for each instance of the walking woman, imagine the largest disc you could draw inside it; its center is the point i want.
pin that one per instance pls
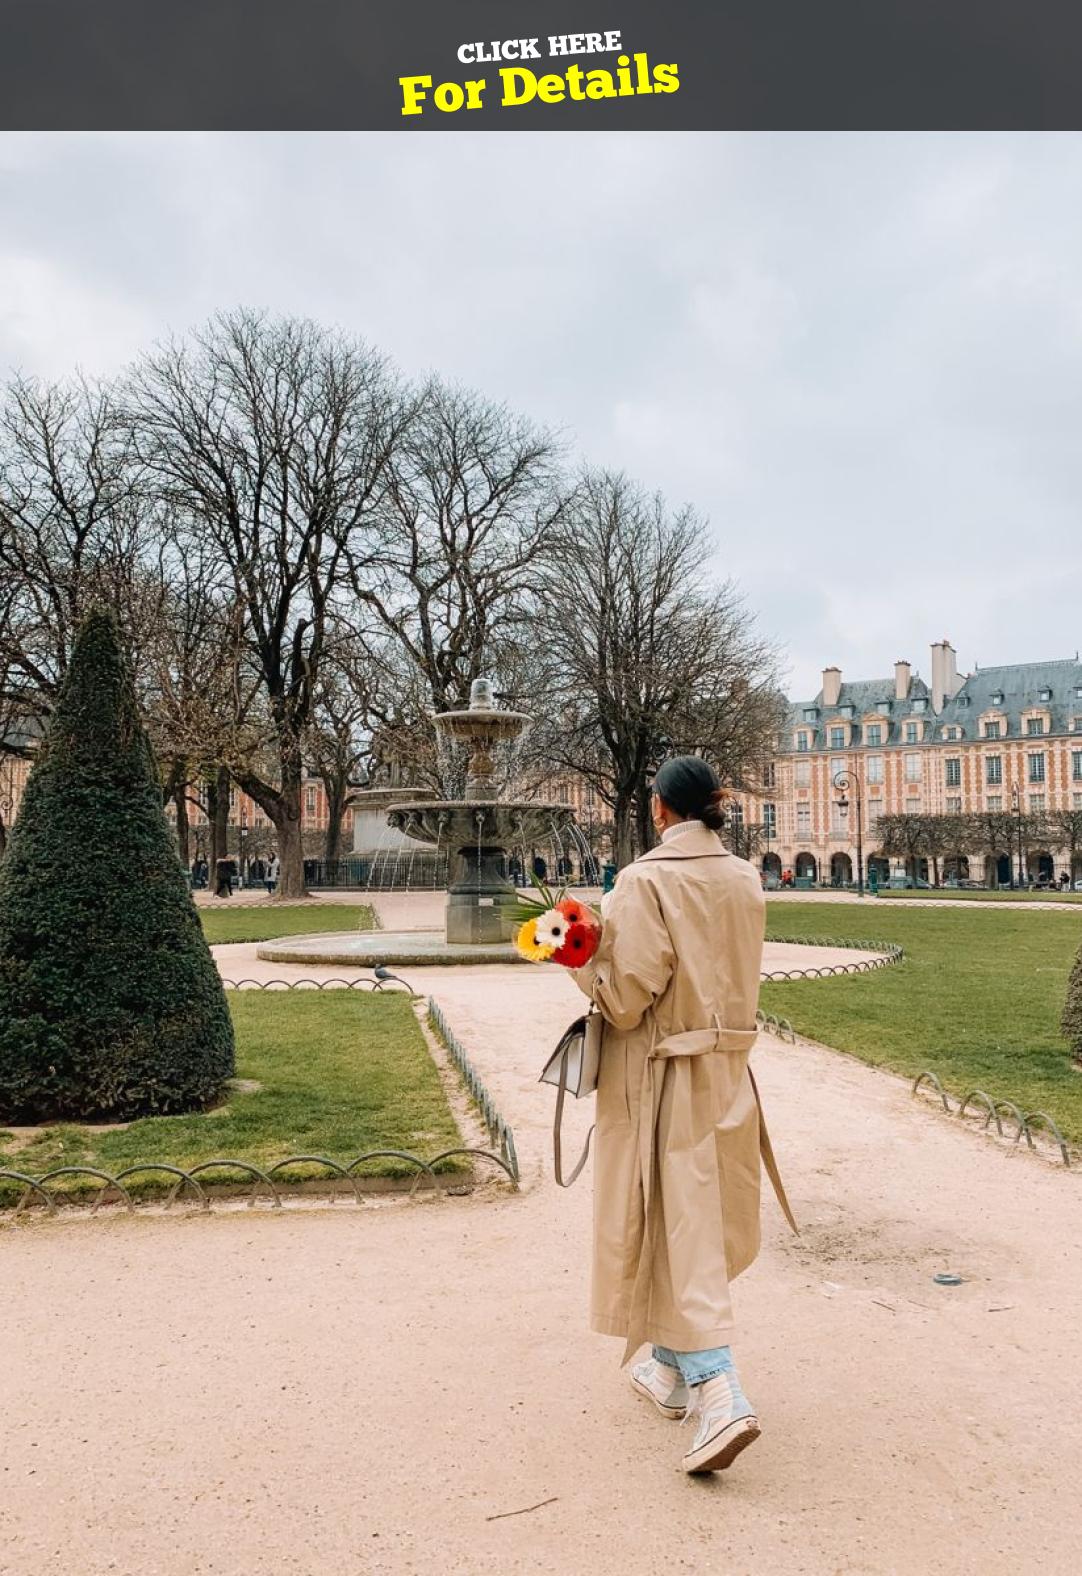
(679, 1128)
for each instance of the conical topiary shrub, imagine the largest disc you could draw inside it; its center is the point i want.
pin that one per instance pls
(1072, 1010)
(110, 1003)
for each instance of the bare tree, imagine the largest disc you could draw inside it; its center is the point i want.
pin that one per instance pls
(71, 530)
(994, 833)
(339, 738)
(1062, 829)
(271, 438)
(471, 491)
(635, 655)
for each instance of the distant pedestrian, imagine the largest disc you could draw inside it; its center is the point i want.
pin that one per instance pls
(223, 878)
(540, 868)
(273, 868)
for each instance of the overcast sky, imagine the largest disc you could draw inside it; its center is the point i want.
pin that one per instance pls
(860, 356)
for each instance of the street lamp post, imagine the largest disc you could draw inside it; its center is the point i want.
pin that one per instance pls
(849, 782)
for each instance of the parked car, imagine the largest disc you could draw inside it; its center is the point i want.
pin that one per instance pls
(908, 884)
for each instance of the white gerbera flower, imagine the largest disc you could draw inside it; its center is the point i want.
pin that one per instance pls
(552, 928)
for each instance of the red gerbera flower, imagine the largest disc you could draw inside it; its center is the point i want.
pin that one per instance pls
(579, 946)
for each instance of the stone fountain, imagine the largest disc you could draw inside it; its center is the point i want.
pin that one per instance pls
(477, 830)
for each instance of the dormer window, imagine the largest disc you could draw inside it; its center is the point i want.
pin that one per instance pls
(848, 711)
(810, 713)
(883, 708)
(997, 698)
(962, 700)
(1046, 694)
(920, 704)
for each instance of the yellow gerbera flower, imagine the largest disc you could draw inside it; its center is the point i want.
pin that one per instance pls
(528, 945)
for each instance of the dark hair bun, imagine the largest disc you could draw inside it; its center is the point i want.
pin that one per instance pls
(712, 814)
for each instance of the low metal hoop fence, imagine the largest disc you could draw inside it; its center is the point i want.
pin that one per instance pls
(994, 1113)
(887, 953)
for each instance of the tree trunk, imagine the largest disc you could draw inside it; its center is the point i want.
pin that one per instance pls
(336, 791)
(283, 806)
(218, 815)
(3, 837)
(287, 824)
(623, 830)
(645, 835)
(180, 800)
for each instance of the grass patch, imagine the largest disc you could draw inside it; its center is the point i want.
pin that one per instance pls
(339, 1073)
(266, 922)
(980, 895)
(977, 1000)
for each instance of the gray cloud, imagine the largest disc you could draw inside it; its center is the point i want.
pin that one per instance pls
(860, 356)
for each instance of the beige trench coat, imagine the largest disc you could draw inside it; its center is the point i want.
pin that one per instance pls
(679, 1125)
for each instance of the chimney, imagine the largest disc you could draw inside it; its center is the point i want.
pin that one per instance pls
(945, 679)
(902, 673)
(832, 686)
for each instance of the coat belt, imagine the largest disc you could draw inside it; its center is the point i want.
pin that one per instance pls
(691, 1042)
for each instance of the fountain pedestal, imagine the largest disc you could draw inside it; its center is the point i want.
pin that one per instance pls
(477, 901)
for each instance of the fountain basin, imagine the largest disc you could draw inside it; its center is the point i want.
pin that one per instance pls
(388, 947)
(463, 823)
(479, 832)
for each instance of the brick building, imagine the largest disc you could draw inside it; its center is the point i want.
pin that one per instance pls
(997, 739)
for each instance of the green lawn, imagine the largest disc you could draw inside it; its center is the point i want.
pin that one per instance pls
(265, 922)
(340, 1072)
(977, 999)
(981, 895)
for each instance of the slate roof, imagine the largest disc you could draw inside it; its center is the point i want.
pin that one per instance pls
(1020, 684)
(865, 696)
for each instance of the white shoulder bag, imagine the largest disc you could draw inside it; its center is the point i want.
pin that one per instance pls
(572, 1068)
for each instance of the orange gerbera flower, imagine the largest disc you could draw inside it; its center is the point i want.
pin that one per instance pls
(577, 913)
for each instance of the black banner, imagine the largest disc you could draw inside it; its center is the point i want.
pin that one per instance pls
(584, 65)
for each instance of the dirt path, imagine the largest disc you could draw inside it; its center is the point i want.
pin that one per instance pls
(363, 1390)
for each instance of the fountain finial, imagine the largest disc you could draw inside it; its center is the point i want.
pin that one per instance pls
(481, 695)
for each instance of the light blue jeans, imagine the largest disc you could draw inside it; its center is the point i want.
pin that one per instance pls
(696, 1367)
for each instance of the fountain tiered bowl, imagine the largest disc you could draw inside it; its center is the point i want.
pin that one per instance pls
(478, 830)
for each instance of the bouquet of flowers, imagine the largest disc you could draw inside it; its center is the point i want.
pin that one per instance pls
(557, 927)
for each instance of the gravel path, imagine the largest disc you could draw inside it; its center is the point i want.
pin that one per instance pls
(385, 1389)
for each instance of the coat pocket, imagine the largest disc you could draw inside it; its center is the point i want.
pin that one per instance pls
(613, 1099)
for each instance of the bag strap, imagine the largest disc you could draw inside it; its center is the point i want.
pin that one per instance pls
(557, 1140)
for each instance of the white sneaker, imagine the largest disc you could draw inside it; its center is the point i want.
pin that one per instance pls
(661, 1384)
(727, 1424)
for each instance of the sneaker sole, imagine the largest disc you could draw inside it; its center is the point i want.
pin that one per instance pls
(721, 1451)
(673, 1413)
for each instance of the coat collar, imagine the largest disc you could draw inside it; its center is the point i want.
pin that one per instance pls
(696, 843)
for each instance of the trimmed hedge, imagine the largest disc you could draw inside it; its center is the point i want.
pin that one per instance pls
(110, 1003)
(1072, 1010)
